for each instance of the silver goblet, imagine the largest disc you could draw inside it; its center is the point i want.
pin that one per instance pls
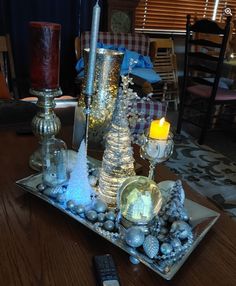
(156, 151)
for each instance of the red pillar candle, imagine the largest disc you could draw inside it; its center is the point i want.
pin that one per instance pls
(44, 55)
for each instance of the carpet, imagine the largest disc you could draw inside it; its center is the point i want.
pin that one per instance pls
(206, 171)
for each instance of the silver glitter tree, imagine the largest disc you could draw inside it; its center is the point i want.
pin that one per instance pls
(118, 162)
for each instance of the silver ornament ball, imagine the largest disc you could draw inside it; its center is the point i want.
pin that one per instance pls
(40, 187)
(101, 217)
(110, 215)
(61, 198)
(134, 260)
(109, 225)
(134, 237)
(166, 248)
(50, 192)
(79, 209)
(91, 215)
(99, 206)
(175, 242)
(70, 204)
(181, 229)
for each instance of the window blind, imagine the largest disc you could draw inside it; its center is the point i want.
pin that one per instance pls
(222, 5)
(169, 15)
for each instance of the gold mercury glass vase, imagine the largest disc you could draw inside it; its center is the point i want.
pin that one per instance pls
(106, 83)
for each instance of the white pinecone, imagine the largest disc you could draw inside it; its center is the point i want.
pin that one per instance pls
(151, 246)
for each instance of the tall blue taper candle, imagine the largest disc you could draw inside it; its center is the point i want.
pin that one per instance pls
(78, 133)
(91, 67)
(93, 48)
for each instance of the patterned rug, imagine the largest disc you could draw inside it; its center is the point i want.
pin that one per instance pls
(206, 171)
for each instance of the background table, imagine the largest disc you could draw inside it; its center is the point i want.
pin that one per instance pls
(41, 246)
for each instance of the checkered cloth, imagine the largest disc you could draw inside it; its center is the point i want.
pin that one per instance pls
(141, 113)
(134, 42)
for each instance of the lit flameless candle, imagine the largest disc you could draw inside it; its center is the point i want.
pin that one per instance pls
(159, 130)
(93, 49)
(45, 39)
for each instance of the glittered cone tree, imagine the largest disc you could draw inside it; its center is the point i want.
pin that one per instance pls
(79, 189)
(118, 162)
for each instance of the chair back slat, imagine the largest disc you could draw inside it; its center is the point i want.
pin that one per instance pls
(201, 80)
(206, 43)
(207, 26)
(202, 68)
(203, 56)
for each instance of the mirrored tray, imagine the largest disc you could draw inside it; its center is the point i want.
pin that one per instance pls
(201, 218)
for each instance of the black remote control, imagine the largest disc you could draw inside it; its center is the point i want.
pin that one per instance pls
(106, 270)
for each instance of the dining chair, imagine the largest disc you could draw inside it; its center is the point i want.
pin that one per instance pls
(4, 91)
(216, 38)
(164, 63)
(7, 65)
(202, 99)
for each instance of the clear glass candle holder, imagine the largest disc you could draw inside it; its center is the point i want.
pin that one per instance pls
(156, 151)
(54, 162)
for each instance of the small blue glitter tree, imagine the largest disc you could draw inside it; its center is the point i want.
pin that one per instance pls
(79, 189)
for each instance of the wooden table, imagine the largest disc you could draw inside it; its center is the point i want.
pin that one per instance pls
(41, 246)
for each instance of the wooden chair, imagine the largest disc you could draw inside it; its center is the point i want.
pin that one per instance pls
(216, 38)
(4, 91)
(7, 65)
(201, 93)
(164, 61)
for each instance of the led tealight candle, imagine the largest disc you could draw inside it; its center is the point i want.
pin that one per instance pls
(45, 41)
(159, 129)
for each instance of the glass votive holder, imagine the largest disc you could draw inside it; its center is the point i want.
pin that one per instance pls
(156, 150)
(54, 162)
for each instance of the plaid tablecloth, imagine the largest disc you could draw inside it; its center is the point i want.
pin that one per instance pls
(141, 113)
(134, 42)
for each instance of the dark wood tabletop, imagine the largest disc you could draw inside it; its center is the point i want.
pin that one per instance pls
(41, 246)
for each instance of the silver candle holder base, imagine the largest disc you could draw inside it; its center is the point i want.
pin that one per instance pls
(45, 124)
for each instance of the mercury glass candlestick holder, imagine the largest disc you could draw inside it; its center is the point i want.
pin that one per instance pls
(45, 124)
(156, 151)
